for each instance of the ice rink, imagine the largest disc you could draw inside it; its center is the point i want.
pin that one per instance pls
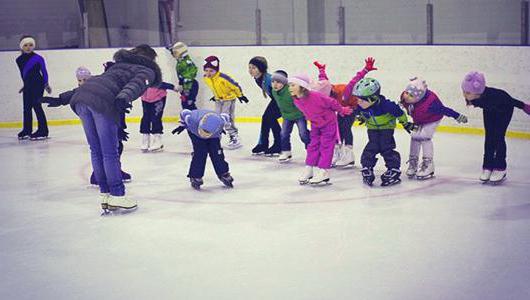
(268, 238)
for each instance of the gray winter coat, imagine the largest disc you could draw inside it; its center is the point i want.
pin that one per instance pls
(127, 79)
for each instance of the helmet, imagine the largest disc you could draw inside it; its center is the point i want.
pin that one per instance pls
(179, 49)
(366, 87)
(210, 124)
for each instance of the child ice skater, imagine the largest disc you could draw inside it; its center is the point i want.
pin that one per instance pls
(35, 79)
(225, 91)
(427, 111)
(320, 110)
(257, 68)
(205, 128)
(151, 127)
(290, 113)
(100, 104)
(497, 110)
(380, 115)
(343, 153)
(82, 74)
(187, 73)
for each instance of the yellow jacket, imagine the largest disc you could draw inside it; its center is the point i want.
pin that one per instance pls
(223, 87)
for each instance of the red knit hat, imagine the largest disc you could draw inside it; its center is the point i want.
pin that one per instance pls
(211, 62)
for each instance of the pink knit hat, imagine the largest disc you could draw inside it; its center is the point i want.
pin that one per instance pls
(321, 86)
(82, 73)
(417, 87)
(474, 83)
(300, 79)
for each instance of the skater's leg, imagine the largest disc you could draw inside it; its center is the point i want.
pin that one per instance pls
(368, 159)
(199, 156)
(500, 139)
(217, 156)
(28, 113)
(287, 128)
(313, 153)
(158, 111)
(89, 126)
(388, 152)
(345, 129)
(303, 132)
(39, 112)
(328, 139)
(490, 120)
(145, 123)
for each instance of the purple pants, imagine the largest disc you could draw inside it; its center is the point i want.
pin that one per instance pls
(320, 149)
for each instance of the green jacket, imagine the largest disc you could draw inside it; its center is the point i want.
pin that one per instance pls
(186, 72)
(382, 115)
(285, 103)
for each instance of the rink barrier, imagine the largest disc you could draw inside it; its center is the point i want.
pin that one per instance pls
(175, 119)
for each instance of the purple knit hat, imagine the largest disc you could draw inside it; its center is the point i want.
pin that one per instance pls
(300, 79)
(82, 73)
(474, 83)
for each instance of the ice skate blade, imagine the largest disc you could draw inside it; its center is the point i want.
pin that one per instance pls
(156, 150)
(283, 161)
(42, 138)
(348, 166)
(427, 177)
(391, 183)
(233, 147)
(145, 150)
(321, 183)
(196, 187)
(498, 182)
(116, 210)
(258, 154)
(272, 154)
(368, 183)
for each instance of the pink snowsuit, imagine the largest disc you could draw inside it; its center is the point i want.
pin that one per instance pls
(321, 111)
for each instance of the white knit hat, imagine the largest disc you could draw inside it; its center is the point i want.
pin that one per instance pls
(27, 40)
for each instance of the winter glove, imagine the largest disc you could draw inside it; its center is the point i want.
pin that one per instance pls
(52, 101)
(461, 119)
(123, 135)
(409, 127)
(243, 99)
(179, 129)
(21, 90)
(179, 88)
(212, 99)
(526, 108)
(345, 110)
(319, 66)
(48, 89)
(369, 64)
(122, 105)
(361, 120)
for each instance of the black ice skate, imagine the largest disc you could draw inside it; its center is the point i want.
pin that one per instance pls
(390, 177)
(259, 149)
(38, 135)
(196, 183)
(275, 150)
(368, 176)
(227, 180)
(23, 135)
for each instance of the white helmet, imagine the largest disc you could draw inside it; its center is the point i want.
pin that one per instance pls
(179, 49)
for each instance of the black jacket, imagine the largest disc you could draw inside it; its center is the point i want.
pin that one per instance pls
(127, 79)
(496, 100)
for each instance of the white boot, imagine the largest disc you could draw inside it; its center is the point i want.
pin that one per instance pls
(306, 175)
(347, 158)
(285, 156)
(145, 142)
(427, 169)
(485, 176)
(115, 202)
(321, 176)
(104, 200)
(336, 154)
(156, 145)
(234, 142)
(497, 176)
(413, 166)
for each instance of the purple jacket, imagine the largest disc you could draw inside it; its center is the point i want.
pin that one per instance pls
(429, 109)
(318, 108)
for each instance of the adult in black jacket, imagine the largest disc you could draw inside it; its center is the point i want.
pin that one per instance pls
(100, 104)
(35, 77)
(497, 109)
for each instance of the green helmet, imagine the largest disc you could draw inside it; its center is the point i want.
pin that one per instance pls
(366, 87)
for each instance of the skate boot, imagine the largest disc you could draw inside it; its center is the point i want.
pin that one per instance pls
(104, 200)
(156, 144)
(227, 180)
(38, 135)
(368, 176)
(306, 175)
(259, 149)
(234, 142)
(116, 202)
(274, 150)
(285, 156)
(390, 177)
(146, 137)
(125, 177)
(336, 155)
(497, 176)
(486, 174)
(321, 177)
(196, 183)
(426, 170)
(413, 166)
(23, 135)
(346, 157)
